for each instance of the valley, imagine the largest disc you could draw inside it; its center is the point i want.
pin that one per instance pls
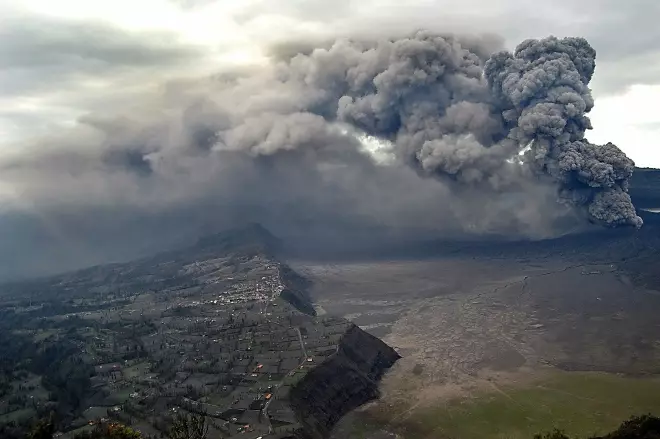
(474, 330)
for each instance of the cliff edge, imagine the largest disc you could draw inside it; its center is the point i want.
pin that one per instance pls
(346, 380)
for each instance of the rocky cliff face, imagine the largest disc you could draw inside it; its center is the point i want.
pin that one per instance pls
(343, 382)
(296, 290)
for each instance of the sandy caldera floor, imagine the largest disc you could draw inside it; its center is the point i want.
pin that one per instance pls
(464, 324)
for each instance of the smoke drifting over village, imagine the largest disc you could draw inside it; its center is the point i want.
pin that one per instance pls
(421, 134)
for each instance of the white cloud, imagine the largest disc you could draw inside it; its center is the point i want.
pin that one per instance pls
(630, 120)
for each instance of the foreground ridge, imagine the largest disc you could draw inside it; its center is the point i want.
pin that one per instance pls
(222, 329)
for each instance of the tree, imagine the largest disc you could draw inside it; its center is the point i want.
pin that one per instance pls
(189, 427)
(44, 429)
(637, 427)
(112, 430)
(556, 434)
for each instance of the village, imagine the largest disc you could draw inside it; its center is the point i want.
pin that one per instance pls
(217, 339)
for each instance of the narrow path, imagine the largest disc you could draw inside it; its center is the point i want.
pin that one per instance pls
(302, 344)
(502, 392)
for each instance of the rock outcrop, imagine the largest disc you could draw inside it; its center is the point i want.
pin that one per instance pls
(343, 382)
(296, 290)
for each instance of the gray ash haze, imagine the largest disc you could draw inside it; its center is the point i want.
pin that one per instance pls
(421, 136)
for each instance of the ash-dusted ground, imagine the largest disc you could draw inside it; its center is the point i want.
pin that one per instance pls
(489, 319)
(454, 318)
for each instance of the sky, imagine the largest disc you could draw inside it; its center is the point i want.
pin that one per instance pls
(62, 59)
(108, 110)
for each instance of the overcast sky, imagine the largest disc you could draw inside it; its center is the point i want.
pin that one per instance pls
(60, 59)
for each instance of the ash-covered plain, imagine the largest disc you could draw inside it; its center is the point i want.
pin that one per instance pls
(501, 306)
(480, 317)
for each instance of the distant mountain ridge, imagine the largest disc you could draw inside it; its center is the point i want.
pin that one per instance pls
(161, 270)
(252, 238)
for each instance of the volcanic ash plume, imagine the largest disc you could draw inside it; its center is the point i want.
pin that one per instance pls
(542, 90)
(470, 140)
(452, 112)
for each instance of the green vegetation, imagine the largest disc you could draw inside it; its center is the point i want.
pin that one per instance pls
(639, 427)
(189, 427)
(580, 404)
(44, 429)
(18, 416)
(110, 431)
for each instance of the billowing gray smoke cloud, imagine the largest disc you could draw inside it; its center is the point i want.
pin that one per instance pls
(452, 112)
(287, 145)
(543, 91)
